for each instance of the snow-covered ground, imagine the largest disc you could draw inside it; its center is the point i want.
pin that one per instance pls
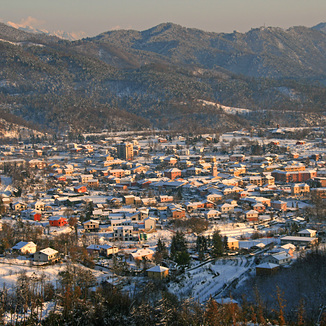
(232, 230)
(227, 109)
(250, 243)
(11, 269)
(211, 279)
(294, 203)
(5, 181)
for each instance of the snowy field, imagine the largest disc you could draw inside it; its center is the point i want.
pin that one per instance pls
(232, 230)
(211, 279)
(11, 269)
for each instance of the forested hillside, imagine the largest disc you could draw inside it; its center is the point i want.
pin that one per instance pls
(159, 77)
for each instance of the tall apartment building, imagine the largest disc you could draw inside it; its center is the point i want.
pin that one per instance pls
(125, 151)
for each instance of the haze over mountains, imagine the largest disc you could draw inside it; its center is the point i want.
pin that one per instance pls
(166, 77)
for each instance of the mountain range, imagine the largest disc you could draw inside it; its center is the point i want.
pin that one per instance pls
(168, 76)
(59, 33)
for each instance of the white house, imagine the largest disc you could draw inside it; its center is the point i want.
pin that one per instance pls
(307, 233)
(25, 247)
(47, 255)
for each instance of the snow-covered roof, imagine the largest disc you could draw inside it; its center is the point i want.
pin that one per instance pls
(157, 269)
(267, 265)
(307, 231)
(94, 247)
(142, 252)
(260, 245)
(49, 251)
(22, 244)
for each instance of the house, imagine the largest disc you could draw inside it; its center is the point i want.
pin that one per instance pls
(148, 224)
(144, 253)
(172, 173)
(319, 192)
(25, 247)
(129, 199)
(108, 250)
(298, 189)
(252, 215)
(93, 183)
(214, 197)
(307, 233)
(165, 199)
(158, 272)
(178, 213)
(170, 161)
(288, 248)
(149, 201)
(18, 206)
(299, 241)
(91, 225)
(237, 158)
(212, 214)
(57, 221)
(279, 204)
(254, 180)
(84, 178)
(47, 255)
(233, 243)
(37, 164)
(194, 206)
(294, 176)
(259, 207)
(281, 258)
(31, 214)
(80, 189)
(265, 269)
(94, 249)
(123, 232)
(39, 205)
(225, 208)
(118, 173)
(208, 204)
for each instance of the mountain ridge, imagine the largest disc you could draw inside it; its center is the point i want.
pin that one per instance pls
(157, 78)
(253, 50)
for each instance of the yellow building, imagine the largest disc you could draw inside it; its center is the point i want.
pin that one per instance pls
(299, 189)
(158, 272)
(233, 244)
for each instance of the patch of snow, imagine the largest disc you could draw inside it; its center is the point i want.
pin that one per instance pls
(226, 109)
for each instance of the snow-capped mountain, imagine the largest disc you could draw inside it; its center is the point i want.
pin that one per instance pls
(61, 34)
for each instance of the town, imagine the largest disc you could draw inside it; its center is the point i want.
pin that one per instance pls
(198, 212)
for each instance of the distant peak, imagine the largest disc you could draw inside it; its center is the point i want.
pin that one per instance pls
(167, 25)
(163, 27)
(320, 27)
(60, 34)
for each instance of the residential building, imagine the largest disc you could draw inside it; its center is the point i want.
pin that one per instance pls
(47, 255)
(125, 151)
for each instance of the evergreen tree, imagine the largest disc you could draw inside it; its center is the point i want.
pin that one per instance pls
(217, 245)
(201, 246)
(162, 249)
(179, 251)
(225, 242)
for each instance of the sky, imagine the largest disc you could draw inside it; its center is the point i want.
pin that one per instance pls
(92, 17)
